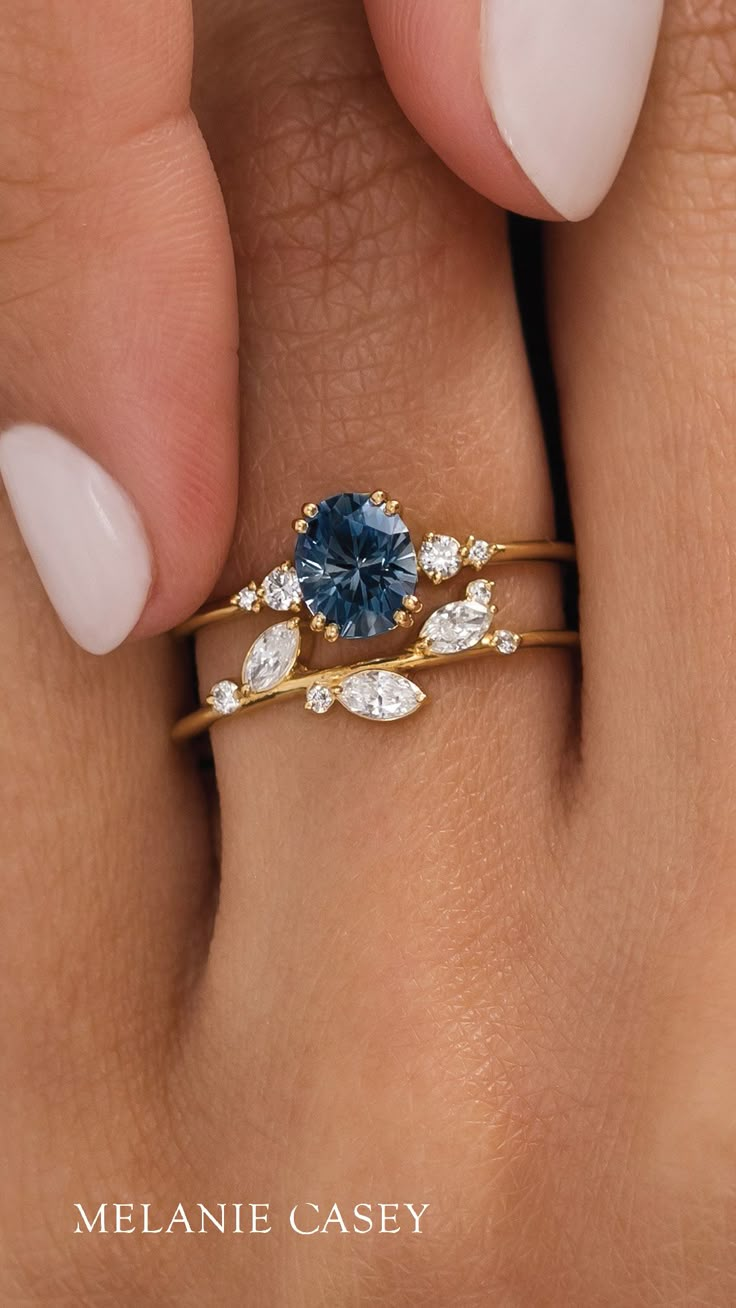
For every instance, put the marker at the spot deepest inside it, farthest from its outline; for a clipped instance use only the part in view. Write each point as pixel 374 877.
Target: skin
pixel 483 959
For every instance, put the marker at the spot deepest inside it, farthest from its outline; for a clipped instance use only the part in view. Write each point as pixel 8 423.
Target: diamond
pixel 440 557
pixel 455 627
pixel 281 589
pixel 271 657
pixel 355 564
pixel 480 592
pixel 506 642
pixel 320 699
pixel 247 598
pixel 380 696
pixel 225 697
pixel 479 553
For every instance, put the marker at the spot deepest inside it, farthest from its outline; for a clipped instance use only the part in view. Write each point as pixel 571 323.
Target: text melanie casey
pixel 304 1218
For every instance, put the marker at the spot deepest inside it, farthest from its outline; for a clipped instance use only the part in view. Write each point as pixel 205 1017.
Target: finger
pixel 644 329
pixel 381 344
pixel 117 322
pixel 564 82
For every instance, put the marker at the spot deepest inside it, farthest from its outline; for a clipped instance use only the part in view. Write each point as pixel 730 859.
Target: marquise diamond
pixel 380 696
pixel 271 657
pixel 456 627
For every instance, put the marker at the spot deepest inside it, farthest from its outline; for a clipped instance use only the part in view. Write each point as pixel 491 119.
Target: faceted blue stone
pixel 355 564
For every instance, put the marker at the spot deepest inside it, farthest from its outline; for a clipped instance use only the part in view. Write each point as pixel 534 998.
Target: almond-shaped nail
pixel 82 532
pixel 566 80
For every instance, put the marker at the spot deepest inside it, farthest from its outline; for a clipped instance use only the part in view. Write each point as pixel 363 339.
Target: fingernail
pixel 566 80
pixel 82 532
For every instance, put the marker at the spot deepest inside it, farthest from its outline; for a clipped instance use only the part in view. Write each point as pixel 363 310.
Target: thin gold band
pixel 527 551
pixel 417 656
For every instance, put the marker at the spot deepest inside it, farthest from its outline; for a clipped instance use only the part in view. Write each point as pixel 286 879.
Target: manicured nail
pixel 82 532
pixel 566 80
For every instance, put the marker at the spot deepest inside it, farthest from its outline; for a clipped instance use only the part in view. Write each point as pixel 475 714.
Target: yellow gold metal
pixel 403 619
pixel 530 551
pixel 391 508
pixel 332 631
pixel 300 525
pixel 378 497
pixel 412 604
pixel 417 657
pixel 309 510
pixel 318 622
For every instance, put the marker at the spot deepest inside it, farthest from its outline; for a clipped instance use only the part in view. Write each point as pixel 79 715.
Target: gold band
pixel 302 681
pixel 529 551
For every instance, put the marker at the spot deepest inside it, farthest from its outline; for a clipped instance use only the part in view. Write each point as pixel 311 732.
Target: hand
pixel 480 960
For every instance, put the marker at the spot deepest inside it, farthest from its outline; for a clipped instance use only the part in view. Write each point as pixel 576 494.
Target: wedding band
pixel 355 569
pixel 377 689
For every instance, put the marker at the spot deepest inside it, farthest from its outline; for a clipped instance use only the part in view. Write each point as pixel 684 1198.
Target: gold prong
pixel 412 604
pixel 309 510
pixel 378 497
pixel 318 622
pixel 300 525
pixel 403 619
pixel 332 631
pixel 391 508
pixel 293 622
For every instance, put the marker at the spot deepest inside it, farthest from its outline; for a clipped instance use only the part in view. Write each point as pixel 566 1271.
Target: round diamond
pixel 440 557
pixel 355 564
pixel 225 697
pixel 479 553
pixel 320 699
pixel 506 642
pixel 247 598
pixel 480 592
pixel 281 589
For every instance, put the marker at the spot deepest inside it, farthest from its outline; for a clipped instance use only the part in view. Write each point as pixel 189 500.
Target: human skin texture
pixel 482 959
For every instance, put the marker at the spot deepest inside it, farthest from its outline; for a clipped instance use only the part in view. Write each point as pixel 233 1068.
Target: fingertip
pixel 431 55
pixel 533 104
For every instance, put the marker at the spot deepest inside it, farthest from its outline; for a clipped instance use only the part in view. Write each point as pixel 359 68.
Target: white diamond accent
pixel 440 557
pixel 455 627
pixel 281 589
pixel 320 699
pixel 479 553
pixel 224 696
pixel 247 598
pixel 506 642
pixel 480 592
pixel 271 657
pixel 380 696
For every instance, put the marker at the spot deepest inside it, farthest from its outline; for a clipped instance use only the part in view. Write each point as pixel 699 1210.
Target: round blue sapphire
pixel 355 564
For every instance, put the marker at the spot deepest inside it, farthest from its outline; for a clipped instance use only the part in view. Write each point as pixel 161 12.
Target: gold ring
pixel 355 572
pixel 355 568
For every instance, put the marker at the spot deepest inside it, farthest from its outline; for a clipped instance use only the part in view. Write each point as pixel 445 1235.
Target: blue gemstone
pixel 355 564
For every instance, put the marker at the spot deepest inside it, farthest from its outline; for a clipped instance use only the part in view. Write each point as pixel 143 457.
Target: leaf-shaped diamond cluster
pixel 380 691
